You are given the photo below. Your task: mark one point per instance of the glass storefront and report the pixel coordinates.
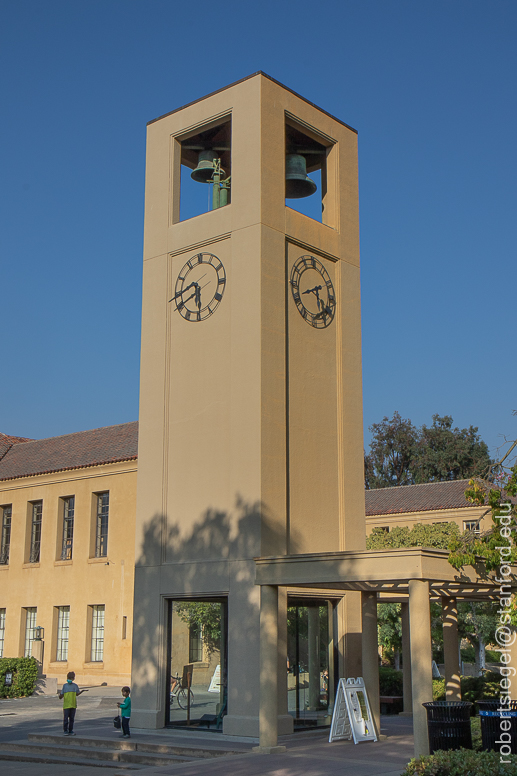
(197, 656)
(310, 661)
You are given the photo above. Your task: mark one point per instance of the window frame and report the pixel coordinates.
(97, 632)
(62, 633)
(67, 534)
(31, 618)
(3, 614)
(101, 524)
(5, 543)
(35, 525)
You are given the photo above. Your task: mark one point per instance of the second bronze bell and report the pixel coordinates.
(297, 182)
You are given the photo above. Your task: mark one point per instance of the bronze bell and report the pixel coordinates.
(205, 167)
(297, 182)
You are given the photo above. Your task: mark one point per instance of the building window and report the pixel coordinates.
(68, 528)
(101, 526)
(195, 643)
(384, 528)
(2, 631)
(97, 651)
(6, 535)
(472, 526)
(37, 511)
(30, 624)
(63, 626)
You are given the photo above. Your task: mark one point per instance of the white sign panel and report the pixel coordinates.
(215, 682)
(352, 715)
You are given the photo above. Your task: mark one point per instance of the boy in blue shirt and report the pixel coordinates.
(69, 693)
(125, 712)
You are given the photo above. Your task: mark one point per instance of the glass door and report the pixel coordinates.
(197, 659)
(310, 661)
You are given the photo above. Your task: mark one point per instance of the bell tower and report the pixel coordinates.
(250, 440)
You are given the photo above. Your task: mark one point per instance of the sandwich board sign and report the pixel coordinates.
(215, 682)
(352, 715)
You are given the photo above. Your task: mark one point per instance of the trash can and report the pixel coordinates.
(448, 725)
(490, 714)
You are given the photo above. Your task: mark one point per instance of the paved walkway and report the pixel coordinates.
(308, 753)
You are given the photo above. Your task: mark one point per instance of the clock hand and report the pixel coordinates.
(184, 290)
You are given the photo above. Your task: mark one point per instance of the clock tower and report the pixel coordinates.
(250, 440)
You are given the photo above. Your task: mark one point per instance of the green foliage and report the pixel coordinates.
(25, 675)
(437, 535)
(468, 655)
(493, 491)
(473, 688)
(402, 454)
(461, 762)
(389, 628)
(475, 729)
(390, 681)
(438, 689)
(207, 617)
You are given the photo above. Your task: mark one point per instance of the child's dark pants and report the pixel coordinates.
(125, 726)
(68, 720)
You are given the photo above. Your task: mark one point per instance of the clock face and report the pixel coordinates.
(199, 287)
(313, 292)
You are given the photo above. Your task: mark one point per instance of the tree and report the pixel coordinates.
(205, 616)
(496, 489)
(392, 450)
(444, 453)
(403, 454)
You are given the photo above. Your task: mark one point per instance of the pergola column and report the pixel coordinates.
(370, 650)
(450, 649)
(406, 660)
(421, 660)
(268, 708)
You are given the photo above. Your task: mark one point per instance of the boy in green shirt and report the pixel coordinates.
(125, 712)
(69, 693)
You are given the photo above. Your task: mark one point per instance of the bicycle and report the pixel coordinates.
(181, 693)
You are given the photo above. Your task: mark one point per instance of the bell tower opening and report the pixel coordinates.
(206, 159)
(306, 154)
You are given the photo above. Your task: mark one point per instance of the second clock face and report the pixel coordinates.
(200, 287)
(313, 292)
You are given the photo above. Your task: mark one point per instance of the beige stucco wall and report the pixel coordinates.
(79, 583)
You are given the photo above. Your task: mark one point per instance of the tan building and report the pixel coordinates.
(67, 514)
(432, 502)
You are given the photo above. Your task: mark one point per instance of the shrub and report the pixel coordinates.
(390, 681)
(473, 688)
(462, 762)
(25, 675)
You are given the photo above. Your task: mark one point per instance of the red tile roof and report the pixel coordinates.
(417, 498)
(72, 451)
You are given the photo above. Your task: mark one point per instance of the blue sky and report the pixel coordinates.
(429, 85)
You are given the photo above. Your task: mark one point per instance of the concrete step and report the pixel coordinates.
(187, 752)
(63, 751)
(54, 759)
(103, 752)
